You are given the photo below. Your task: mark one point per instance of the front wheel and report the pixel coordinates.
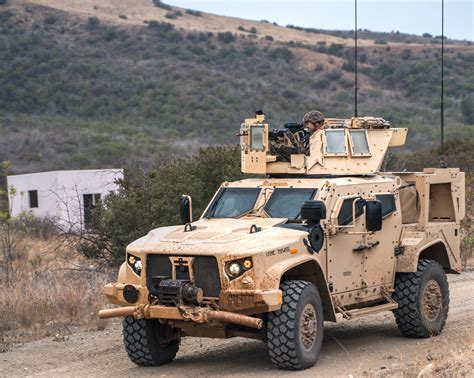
(423, 300)
(148, 342)
(295, 331)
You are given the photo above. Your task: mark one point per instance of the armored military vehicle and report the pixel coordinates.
(322, 235)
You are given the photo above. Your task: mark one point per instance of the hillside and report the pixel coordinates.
(97, 84)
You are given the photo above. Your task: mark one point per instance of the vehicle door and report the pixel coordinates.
(378, 249)
(345, 267)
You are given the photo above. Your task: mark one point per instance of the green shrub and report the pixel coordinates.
(322, 83)
(5, 16)
(109, 34)
(171, 15)
(336, 49)
(281, 53)
(226, 37)
(50, 19)
(269, 38)
(160, 4)
(146, 200)
(123, 17)
(241, 28)
(406, 54)
(193, 12)
(467, 109)
(253, 30)
(92, 22)
(334, 75)
(161, 26)
(380, 42)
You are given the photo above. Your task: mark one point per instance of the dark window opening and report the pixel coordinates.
(388, 203)
(345, 216)
(286, 202)
(90, 204)
(233, 202)
(33, 196)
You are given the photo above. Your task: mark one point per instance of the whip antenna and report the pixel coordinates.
(355, 60)
(442, 77)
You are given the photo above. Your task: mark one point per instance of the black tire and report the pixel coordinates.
(142, 340)
(423, 300)
(285, 329)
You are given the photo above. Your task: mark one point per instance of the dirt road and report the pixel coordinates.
(369, 346)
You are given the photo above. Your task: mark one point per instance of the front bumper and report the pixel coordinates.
(234, 306)
(184, 313)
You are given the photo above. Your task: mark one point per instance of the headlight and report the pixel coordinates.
(236, 268)
(135, 263)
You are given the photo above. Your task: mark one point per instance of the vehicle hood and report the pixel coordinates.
(218, 236)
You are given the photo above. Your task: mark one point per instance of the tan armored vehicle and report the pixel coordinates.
(322, 236)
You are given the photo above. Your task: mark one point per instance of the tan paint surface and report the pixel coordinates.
(358, 267)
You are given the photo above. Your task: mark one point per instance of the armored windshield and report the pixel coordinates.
(232, 202)
(286, 202)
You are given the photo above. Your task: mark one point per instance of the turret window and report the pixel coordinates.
(359, 143)
(336, 142)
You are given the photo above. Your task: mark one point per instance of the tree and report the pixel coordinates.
(11, 230)
(149, 199)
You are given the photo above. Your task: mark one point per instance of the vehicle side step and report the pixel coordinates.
(351, 314)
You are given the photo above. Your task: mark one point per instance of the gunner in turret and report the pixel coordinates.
(313, 121)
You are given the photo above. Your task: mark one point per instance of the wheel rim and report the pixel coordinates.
(432, 300)
(308, 327)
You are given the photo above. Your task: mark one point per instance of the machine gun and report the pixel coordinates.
(287, 141)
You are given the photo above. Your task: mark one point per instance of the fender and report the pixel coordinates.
(310, 270)
(434, 249)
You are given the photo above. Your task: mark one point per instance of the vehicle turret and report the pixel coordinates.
(354, 146)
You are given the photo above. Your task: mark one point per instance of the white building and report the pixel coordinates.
(66, 197)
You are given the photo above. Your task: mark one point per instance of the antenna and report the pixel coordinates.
(355, 60)
(442, 77)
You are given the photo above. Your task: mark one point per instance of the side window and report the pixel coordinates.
(33, 197)
(346, 216)
(359, 143)
(336, 142)
(388, 203)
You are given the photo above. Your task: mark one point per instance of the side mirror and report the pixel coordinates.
(373, 215)
(313, 211)
(186, 209)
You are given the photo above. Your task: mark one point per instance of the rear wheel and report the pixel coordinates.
(295, 332)
(423, 300)
(148, 342)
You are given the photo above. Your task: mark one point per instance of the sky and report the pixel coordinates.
(407, 16)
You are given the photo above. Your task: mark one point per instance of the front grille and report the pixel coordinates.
(205, 270)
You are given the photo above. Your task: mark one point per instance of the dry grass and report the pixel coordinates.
(53, 289)
(459, 362)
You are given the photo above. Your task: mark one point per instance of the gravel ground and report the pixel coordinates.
(370, 346)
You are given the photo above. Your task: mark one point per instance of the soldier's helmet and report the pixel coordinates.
(314, 116)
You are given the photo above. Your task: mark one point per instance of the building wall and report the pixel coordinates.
(60, 193)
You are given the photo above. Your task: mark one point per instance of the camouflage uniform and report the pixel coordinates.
(316, 117)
